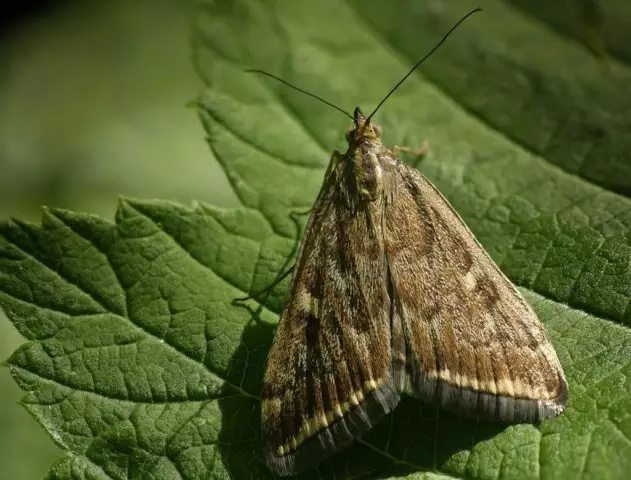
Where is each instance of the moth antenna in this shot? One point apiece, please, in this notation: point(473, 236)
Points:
point(262, 72)
point(421, 61)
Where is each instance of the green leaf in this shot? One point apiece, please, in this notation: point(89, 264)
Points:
point(139, 364)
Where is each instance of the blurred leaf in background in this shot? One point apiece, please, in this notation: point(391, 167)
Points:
point(530, 140)
point(92, 99)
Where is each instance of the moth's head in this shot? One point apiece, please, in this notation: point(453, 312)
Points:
point(362, 130)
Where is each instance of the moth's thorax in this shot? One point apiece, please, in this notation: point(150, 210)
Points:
point(367, 159)
point(367, 170)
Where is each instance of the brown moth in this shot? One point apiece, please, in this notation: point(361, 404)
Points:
point(392, 294)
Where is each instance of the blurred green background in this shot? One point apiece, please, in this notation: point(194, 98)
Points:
point(92, 105)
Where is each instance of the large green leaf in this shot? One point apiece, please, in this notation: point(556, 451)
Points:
point(139, 364)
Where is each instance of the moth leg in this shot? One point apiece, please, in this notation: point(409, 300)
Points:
point(300, 213)
point(417, 152)
point(335, 159)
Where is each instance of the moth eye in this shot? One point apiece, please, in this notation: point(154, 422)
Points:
point(377, 130)
point(350, 135)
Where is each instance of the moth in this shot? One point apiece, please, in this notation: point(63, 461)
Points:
point(392, 294)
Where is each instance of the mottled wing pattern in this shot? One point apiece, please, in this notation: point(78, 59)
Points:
point(473, 343)
point(328, 373)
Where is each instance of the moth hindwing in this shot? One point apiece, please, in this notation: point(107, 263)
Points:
point(392, 294)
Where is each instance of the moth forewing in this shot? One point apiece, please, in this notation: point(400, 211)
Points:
point(475, 344)
point(392, 293)
point(328, 376)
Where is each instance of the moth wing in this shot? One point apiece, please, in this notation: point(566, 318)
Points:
point(328, 376)
point(473, 343)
